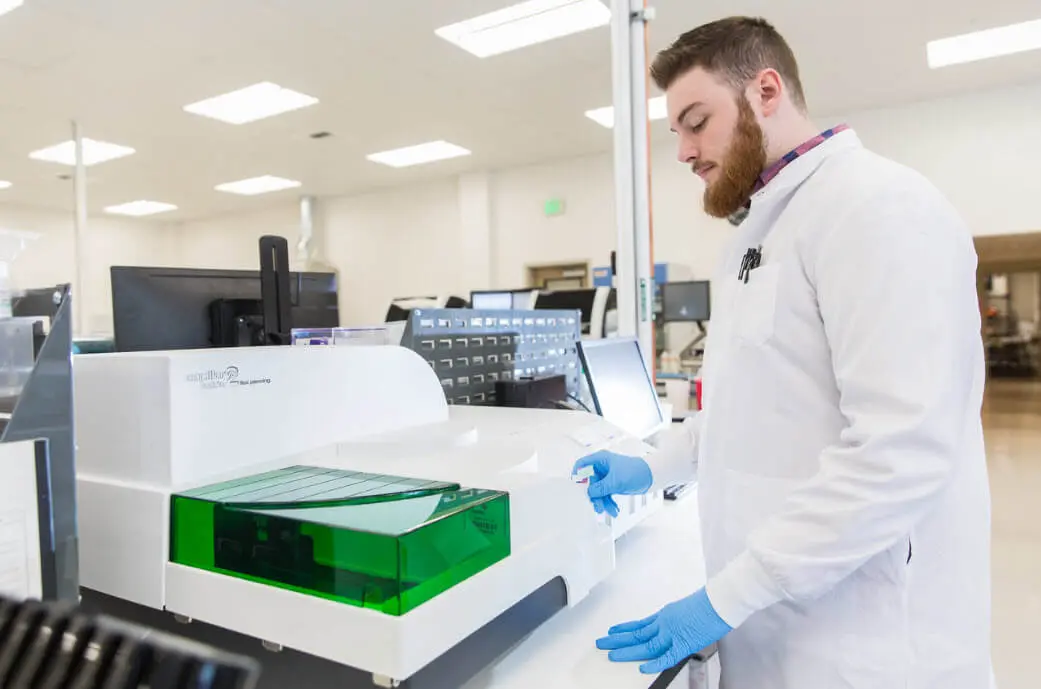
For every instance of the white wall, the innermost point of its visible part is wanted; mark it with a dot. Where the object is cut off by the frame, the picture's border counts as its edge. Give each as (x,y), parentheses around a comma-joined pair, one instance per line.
(586,232)
(400,242)
(524,236)
(981,150)
(397,243)
(484,229)
(49,259)
(230,241)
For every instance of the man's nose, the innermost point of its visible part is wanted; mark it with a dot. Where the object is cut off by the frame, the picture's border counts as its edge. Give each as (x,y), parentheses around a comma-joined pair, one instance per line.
(688,152)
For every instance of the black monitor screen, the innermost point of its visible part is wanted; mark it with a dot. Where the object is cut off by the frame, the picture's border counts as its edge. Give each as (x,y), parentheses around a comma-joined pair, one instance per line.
(622,389)
(498,301)
(36,302)
(581,299)
(169,308)
(685,301)
(397,313)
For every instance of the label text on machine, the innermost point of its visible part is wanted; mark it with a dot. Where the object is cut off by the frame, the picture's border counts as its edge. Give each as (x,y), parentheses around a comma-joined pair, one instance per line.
(224,378)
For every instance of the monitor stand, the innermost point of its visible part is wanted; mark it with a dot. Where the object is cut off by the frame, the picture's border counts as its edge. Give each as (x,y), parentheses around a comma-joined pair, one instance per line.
(688,352)
(236,323)
(274,290)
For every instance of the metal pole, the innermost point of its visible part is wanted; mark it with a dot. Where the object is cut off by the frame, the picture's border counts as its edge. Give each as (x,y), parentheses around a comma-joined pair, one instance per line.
(79,231)
(624,167)
(635,278)
(305,248)
(644,240)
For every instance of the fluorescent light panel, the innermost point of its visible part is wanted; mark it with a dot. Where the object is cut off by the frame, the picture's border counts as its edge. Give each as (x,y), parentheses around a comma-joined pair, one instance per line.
(656,110)
(139,209)
(258,185)
(8,5)
(419,154)
(982,45)
(252,103)
(94,152)
(524,24)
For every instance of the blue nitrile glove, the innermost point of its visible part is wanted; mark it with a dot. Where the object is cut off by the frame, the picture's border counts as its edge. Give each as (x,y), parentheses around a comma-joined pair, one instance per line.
(677,631)
(614,475)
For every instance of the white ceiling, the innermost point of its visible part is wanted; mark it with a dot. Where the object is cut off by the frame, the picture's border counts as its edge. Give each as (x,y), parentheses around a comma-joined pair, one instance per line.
(125,69)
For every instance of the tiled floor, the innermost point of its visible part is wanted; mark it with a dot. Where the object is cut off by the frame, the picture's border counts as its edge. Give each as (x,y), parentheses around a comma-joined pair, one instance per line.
(1012,420)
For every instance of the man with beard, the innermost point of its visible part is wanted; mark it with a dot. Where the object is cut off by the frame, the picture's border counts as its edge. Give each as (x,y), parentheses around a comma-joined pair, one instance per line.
(842,481)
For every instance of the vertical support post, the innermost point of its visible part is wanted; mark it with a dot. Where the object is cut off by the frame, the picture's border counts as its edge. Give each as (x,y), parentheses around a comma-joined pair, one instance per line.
(635,263)
(79,232)
(305,241)
(479,259)
(312,241)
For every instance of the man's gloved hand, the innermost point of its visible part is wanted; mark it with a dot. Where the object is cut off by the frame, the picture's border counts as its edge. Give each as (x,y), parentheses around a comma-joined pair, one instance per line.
(677,631)
(614,475)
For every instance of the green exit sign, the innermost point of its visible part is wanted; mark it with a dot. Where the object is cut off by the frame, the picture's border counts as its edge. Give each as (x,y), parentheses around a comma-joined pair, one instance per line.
(553,207)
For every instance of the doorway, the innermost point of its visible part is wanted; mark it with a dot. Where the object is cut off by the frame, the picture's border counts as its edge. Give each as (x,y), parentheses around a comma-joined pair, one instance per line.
(1009,288)
(557,277)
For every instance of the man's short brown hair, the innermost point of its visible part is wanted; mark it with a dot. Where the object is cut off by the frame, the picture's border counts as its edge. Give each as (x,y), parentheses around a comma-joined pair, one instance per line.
(735,49)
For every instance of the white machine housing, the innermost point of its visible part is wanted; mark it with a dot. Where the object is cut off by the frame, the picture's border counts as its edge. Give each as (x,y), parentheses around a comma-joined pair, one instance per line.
(598,326)
(152,424)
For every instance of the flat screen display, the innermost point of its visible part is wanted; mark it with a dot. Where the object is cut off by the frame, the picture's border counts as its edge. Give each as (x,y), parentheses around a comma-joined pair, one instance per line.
(522,300)
(685,301)
(621,387)
(498,301)
(581,299)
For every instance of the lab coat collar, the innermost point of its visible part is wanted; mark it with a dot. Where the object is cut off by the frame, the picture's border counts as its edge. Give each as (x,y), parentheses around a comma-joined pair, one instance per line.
(800,169)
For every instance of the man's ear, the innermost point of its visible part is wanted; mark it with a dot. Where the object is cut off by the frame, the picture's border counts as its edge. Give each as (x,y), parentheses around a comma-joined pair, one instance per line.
(767,89)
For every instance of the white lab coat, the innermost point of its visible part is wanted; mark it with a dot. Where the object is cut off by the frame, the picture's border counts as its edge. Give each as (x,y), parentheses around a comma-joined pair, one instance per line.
(841,436)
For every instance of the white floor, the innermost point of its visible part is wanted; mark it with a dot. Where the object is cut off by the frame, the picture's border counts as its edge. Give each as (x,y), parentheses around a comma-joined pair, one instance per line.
(1012,419)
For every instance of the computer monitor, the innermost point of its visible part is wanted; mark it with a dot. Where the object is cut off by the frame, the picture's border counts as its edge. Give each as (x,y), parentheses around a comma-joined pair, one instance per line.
(169,308)
(522,299)
(495,301)
(581,299)
(501,300)
(41,301)
(686,302)
(620,385)
(401,307)
(592,303)
(396,313)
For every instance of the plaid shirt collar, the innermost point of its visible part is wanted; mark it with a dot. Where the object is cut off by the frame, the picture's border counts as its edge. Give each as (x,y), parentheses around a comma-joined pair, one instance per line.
(769,173)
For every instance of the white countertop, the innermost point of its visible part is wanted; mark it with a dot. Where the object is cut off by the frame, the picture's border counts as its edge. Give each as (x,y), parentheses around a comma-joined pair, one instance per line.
(658,562)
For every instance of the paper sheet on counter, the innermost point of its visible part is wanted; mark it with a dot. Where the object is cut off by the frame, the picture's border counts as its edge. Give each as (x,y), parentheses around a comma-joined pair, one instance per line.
(20,566)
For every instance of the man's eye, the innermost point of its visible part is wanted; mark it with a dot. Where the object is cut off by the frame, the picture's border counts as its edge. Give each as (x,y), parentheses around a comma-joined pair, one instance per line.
(699,126)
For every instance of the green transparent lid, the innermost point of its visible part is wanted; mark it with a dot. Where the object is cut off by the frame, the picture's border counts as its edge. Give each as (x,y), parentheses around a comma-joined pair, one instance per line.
(374,540)
(309,487)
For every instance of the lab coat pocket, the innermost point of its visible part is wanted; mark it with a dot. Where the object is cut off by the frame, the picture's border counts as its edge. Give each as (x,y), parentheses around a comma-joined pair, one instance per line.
(756,305)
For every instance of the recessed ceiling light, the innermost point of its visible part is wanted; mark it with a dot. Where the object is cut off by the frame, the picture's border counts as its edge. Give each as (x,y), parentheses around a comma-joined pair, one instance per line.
(981,45)
(252,103)
(258,185)
(8,5)
(419,154)
(94,152)
(524,24)
(138,209)
(5,184)
(656,110)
